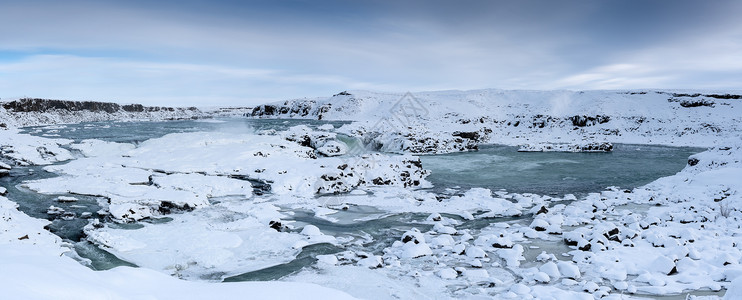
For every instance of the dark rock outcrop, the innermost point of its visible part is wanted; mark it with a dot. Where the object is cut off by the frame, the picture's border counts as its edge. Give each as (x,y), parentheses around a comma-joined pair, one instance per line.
(696,103)
(715,96)
(597,147)
(45,105)
(473,135)
(288,109)
(582,121)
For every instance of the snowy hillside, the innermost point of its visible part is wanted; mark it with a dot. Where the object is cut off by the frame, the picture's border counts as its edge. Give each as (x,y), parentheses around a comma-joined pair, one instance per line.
(449,121)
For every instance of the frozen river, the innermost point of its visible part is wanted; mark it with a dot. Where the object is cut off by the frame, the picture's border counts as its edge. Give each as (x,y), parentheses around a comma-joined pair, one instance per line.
(493,167)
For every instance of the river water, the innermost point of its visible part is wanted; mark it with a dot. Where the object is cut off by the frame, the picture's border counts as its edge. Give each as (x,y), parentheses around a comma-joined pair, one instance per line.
(494,167)
(556,173)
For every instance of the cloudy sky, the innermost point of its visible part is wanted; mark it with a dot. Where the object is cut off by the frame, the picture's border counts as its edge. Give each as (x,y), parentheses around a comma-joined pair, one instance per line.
(246,52)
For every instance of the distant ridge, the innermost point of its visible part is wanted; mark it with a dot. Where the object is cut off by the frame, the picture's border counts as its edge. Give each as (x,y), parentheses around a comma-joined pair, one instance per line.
(44,105)
(36,111)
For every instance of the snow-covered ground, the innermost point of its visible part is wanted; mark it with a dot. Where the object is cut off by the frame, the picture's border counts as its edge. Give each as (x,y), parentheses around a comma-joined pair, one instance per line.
(450,121)
(34,266)
(216,218)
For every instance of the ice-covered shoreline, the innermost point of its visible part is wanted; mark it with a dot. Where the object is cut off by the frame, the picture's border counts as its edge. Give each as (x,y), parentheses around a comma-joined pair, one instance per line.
(685,226)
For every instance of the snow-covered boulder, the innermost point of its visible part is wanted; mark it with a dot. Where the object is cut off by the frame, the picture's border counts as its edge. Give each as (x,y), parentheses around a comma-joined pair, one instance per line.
(305,136)
(333,148)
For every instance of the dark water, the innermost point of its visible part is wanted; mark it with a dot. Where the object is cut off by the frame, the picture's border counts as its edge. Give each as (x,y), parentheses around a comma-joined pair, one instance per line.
(556,173)
(36,205)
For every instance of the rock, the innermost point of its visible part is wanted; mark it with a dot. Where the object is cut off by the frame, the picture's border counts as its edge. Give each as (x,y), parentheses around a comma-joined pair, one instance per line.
(447,273)
(413,236)
(568,269)
(583,121)
(554,229)
(551,269)
(435,217)
(543,257)
(419,140)
(327,259)
(621,285)
(475,263)
(696,103)
(53,210)
(44,105)
(333,148)
(67,216)
(129,212)
(615,274)
(596,147)
(276,225)
(473,135)
(512,257)
(311,230)
(520,289)
(502,243)
(662,264)
(539,224)
(444,229)
(590,287)
(541,277)
(475,252)
(412,250)
(66,199)
(575,238)
(305,136)
(372,262)
(584,245)
(579,147)
(442,241)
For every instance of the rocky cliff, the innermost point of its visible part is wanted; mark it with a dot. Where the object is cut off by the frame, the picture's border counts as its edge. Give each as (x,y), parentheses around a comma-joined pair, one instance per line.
(35,111)
(451,121)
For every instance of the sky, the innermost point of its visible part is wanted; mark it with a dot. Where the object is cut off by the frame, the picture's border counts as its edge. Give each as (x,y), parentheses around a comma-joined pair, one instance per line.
(235,53)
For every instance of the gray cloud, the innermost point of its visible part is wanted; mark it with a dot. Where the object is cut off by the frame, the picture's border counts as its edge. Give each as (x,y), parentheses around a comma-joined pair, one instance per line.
(201,52)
